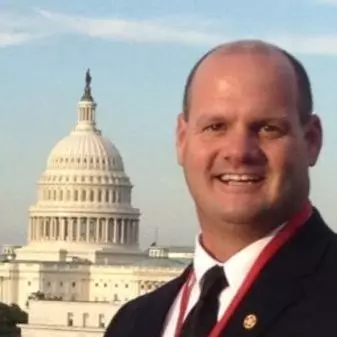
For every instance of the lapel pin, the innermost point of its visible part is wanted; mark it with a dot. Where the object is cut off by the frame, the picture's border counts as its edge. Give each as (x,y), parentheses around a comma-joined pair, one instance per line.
(250,321)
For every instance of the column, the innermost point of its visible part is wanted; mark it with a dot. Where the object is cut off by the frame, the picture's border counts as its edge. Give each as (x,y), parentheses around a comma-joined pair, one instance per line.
(87,234)
(53,228)
(70,229)
(106,227)
(78,229)
(40,235)
(115,235)
(62,228)
(44,226)
(122,228)
(98,226)
(135,238)
(126,231)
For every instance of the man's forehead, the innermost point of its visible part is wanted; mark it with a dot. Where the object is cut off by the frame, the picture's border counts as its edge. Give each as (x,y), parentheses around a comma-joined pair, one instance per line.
(245,62)
(259,58)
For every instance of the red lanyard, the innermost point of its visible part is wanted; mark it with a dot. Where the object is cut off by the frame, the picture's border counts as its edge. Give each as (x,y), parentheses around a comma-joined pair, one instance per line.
(267,253)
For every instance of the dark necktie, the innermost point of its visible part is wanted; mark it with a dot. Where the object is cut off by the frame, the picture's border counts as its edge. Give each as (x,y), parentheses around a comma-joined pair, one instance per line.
(203,316)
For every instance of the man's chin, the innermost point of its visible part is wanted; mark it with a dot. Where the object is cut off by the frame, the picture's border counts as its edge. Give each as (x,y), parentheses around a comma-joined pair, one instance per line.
(243,213)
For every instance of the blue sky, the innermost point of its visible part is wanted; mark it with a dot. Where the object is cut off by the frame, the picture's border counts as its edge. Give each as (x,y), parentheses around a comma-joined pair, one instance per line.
(139,53)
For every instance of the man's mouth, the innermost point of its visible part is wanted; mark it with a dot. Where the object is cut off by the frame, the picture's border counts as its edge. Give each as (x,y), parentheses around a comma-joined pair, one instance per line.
(229,178)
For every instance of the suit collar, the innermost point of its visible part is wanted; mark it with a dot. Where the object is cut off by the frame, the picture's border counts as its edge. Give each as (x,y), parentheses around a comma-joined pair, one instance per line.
(159,304)
(282,281)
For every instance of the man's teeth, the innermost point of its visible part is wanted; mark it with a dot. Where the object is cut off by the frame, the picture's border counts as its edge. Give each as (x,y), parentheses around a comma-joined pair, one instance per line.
(239,178)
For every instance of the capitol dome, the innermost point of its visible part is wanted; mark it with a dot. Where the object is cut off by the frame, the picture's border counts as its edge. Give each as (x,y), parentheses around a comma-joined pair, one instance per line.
(84,194)
(83,149)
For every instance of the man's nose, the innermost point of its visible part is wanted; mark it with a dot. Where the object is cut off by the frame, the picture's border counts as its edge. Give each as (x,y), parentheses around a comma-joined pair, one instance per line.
(242,148)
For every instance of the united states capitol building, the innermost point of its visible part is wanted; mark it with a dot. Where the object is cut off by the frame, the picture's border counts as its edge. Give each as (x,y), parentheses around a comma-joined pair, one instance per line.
(82,260)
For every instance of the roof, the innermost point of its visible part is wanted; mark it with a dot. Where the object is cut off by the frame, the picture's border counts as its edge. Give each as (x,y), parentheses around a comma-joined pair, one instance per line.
(158,262)
(180,249)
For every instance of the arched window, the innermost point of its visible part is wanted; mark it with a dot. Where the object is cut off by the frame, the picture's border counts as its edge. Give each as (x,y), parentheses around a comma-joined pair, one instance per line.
(75,195)
(84,195)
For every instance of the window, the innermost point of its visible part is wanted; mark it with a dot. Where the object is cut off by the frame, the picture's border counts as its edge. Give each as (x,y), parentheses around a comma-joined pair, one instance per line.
(101,321)
(70,319)
(61,284)
(85,317)
(73,284)
(105,285)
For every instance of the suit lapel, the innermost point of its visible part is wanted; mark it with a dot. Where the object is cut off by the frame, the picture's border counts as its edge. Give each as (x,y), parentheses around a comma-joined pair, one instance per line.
(281,282)
(159,305)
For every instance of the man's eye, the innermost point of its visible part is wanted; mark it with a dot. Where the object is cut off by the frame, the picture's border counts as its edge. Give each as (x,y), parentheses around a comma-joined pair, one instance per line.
(271,130)
(214,127)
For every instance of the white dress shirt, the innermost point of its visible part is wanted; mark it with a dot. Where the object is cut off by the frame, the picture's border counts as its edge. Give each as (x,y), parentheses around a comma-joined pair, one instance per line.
(236,269)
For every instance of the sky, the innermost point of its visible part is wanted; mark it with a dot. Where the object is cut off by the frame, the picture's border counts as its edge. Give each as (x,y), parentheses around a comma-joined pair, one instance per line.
(140,53)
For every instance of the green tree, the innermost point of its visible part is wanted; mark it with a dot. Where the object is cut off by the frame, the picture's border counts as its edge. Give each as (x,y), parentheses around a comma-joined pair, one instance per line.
(10,316)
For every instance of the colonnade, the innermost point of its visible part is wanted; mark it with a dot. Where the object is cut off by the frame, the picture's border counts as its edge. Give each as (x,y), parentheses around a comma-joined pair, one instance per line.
(116,230)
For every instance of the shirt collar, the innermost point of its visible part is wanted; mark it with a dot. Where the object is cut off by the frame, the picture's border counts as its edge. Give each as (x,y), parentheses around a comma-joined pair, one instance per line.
(237,267)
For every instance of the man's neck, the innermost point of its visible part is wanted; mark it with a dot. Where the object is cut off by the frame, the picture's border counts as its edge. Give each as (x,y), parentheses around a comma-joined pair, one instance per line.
(222,245)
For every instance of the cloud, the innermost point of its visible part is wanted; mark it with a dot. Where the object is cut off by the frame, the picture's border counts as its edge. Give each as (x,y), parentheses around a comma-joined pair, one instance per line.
(136,31)
(190,31)
(10,38)
(17,29)
(307,44)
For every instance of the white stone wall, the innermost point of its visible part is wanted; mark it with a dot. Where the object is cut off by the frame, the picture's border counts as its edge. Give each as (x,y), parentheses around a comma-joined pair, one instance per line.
(79,282)
(63,319)
(9,283)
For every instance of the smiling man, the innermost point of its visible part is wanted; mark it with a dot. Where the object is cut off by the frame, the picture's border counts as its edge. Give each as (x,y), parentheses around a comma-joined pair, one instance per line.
(265,261)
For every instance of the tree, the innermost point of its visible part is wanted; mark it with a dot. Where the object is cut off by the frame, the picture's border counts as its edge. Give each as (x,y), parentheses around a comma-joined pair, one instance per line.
(10,316)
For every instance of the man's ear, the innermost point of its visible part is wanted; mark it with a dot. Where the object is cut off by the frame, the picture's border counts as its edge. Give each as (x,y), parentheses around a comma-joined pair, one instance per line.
(314,139)
(181,138)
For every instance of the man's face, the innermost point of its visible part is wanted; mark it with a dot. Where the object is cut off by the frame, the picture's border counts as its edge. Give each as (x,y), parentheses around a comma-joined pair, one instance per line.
(244,151)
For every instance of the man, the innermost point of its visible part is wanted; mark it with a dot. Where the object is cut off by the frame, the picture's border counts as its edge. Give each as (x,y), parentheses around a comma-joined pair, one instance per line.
(265,262)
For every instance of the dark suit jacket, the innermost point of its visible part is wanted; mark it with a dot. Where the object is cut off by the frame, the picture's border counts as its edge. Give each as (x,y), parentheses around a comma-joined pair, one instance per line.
(295,295)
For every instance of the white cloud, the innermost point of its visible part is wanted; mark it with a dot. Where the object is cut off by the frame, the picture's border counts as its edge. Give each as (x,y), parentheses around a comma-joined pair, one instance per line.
(10,38)
(137,31)
(168,30)
(309,44)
